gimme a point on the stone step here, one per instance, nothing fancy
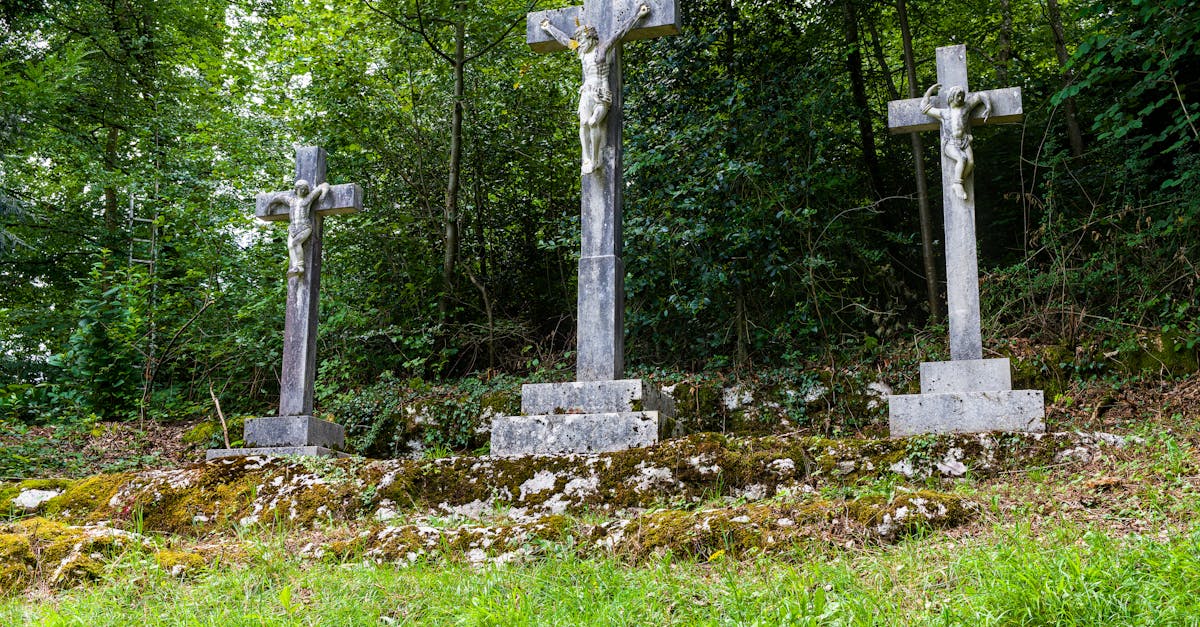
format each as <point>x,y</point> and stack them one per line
<point>558,434</point>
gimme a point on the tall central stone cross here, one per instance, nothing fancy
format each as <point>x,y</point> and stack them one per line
<point>598,411</point>
<point>295,430</point>
<point>962,266</point>
<point>601,300</point>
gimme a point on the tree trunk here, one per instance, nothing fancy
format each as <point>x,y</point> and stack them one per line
<point>854,65</point>
<point>450,214</point>
<point>111,208</point>
<point>918,153</point>
<point>1060,49</point>
<point>1006,33</point>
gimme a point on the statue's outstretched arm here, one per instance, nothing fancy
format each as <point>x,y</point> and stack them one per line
<point>927,101</point>
<point>279,198</point>
<point>986,102</point>
<point>642,11</point>
<point>558,35</point>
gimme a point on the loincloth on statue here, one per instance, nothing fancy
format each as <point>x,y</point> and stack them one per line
<point>601,94</point>
<point>961,143</point>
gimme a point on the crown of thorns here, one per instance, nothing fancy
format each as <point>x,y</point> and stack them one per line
<point>584,31</point>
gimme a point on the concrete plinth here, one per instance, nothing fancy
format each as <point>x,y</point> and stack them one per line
<point>583,417</point>
<point>967,412</point>
<point>966,396</point>
<point>560,434</point>
<point>965,375</point>
<point>274,451</point>
<point>288,435</point>
<point>625,395</point>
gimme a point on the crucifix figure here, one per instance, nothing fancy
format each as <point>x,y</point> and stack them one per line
<point>953,116</point>
<point>600,26</point>
<point>956,133</point>
<point>306,208</point>
<point>595,97</point>
<point>299,204</point>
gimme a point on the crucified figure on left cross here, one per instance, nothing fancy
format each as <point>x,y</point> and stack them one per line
<point>300,226</point>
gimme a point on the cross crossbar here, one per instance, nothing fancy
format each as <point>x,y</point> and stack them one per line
<point>663,20</point>
<point>904,116</point>
<point>341,199</point>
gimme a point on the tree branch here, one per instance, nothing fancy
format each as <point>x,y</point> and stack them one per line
<point>503,35</point>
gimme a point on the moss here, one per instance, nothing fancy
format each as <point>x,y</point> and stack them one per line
<point>11,491</point>
<point>500,403</point>
<point>698,408</point>
<point>907,513</point>
<point>1159,354</point>
<point>1045,370</point>
<point>60,554</point>
<point>179,563</point>
<point>16,561</point>
<point>209,433</point>
<point>84,499</point>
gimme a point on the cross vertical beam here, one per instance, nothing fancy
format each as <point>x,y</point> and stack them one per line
<point>962,265</point>
<point>300,320</point>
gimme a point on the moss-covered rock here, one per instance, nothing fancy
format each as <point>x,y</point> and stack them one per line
<point>37,550</point>
<point>13,492</point>
<point>307,491</point>
<point>179,563</point>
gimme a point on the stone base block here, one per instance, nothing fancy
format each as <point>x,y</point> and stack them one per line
<point>561,434</point>
<point>967,412</point>
<point>965,375</point>
<point>299,431</point>
<point>595,397</point>
<point>274,451</point>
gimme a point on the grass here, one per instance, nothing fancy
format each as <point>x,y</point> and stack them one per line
<point>1065,576</point>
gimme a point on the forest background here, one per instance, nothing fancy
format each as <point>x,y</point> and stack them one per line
<point>771,223</point>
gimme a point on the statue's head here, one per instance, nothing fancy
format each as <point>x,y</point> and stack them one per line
<point>586,36</point>
<point>302,187</point>
<point>956,95</point>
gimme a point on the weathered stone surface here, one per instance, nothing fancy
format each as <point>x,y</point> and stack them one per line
<point>966,375</point>
<point>600,336</point>
<point>583,397</point>
<point>904,116</point>
<point>273,451</point>
<point>305,491</point>
<point>663,20</point>
<point>294,431</point>
<point>966,412</point>
<point>558,434</point>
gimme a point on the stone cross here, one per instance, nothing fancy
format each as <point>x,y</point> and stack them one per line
<point>962,265</point>
<point>300,321</point>
<point>601,300</point>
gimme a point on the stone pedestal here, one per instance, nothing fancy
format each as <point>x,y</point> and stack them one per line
<point>966,396</point>
<point>583,417</point>
<point>288,435</point>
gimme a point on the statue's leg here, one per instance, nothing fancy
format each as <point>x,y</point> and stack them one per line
<point>597,131</point>
<point>960,164</point>
<point>587,164</point>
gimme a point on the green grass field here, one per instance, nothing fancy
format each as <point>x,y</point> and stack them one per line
<point>1063,576</point>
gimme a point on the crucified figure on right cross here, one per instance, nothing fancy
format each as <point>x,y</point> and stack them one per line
<point>956,124</point>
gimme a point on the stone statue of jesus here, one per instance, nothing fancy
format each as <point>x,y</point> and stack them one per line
<point>594,94</point>
<point>956,122</point>
<point>300,225</point>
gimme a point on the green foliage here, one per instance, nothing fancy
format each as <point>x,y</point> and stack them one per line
<point>100,370</point>
<point>756,234</point>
